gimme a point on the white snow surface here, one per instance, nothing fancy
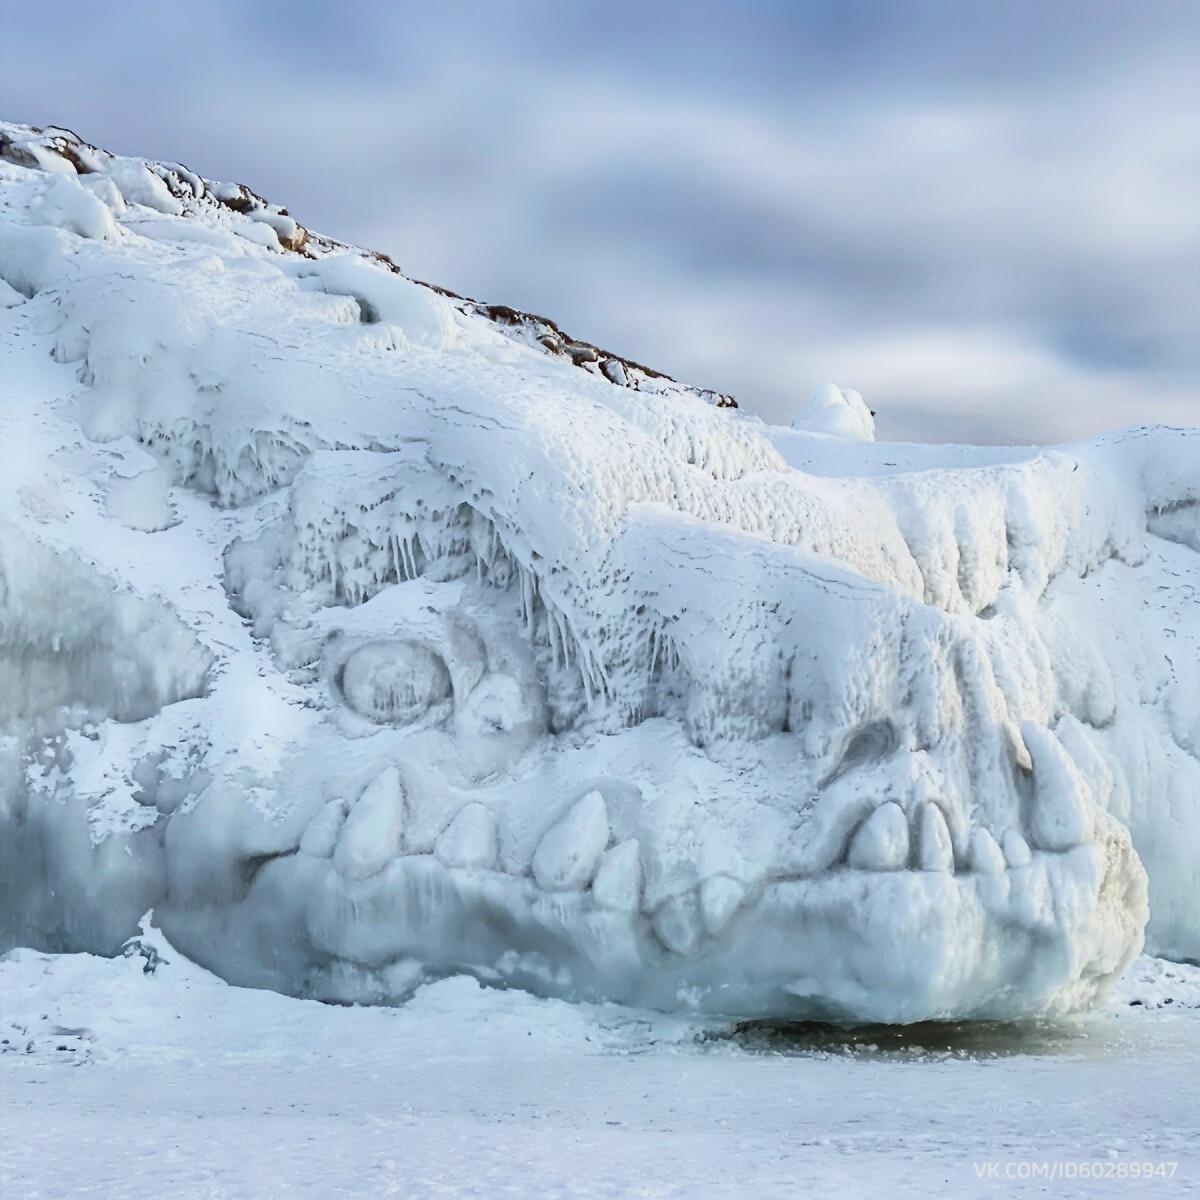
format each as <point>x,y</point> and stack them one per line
<point>125,1084</point>
<point>371,642</point>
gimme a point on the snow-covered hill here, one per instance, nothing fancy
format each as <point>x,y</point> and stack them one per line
<point>371,634</point>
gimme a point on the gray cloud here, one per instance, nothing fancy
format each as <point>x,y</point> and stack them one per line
<point>987,217</point>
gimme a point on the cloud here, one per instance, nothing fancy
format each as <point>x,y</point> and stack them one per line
<point>986,217</point>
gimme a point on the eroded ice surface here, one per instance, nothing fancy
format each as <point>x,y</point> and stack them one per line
<point>371,635</point>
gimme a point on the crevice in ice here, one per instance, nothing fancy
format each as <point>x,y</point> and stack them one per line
<point>867,745</point>
<point>1178,522</point>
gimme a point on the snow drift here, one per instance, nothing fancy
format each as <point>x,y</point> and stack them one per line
<point>372,634</point>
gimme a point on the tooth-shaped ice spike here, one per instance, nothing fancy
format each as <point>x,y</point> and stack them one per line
<point>1060,817</point>
<point>373,832</point>
<point>718,856</point>
<point>470,840</point>
<point>320,837</point>
<point>567,854</point>
<point>720,898</point>
<point>935,851</point>
<point>1097,773</point>
<point>618,882</point>
<point>1020,751</point>
<point>985,855</point>
<point>677,923</point>
<point>1016,849</point>
<point>881,841</point>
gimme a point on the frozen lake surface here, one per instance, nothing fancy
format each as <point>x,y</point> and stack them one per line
<point>118,1083</point>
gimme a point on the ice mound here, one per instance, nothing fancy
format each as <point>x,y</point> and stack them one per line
<point>839,412</point>
<point>374,635</point>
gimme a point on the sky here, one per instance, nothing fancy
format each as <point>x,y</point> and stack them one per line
<point>983,214</point>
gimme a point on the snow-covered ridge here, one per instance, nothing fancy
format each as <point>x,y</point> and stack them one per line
<point>428,651</point>
<point>173,189</point>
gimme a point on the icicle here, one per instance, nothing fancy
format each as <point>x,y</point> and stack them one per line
<point>534,598</point>
<point>527,596</point>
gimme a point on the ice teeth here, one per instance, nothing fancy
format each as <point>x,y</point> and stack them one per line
<point>373,832</point>
<point>881,842</point>
<point>720,898</point>
<point>677,923</point>
<point>618,882</point>
<point>1060,817</point>
<point>1090,763</point>
<point>470,840</point>
<point>822,841</point>
<point>320,837</point>
<point>1016,849</point>
<point>935,852</point>
<point>1020,751</point>
<point>985,855</point>
<point>567,854</point>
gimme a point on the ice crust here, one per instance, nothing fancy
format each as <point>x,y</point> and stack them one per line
<point>371,634</point>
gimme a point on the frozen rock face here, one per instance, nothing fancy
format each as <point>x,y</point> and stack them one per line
<point>369,637</point>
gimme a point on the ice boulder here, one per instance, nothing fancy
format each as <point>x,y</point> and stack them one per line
<point>839,412</point>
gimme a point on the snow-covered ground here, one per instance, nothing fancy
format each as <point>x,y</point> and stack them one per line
<point>117,1083</point>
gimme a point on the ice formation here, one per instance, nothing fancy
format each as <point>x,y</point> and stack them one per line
<point>837,411</point>
<point>370,634</point>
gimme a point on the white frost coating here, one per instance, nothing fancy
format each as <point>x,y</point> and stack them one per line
<point>105,190</point>
<point>285,227</point>
<point>260,234</point>
<point>142,501</point>
<point>394,681</point>
<point>423,319</point>
<point>838,412</point>
<point>985,855</point>
<point>65,203</point>
<point>1016,849</point>
<point>618,881</point>
<point>720,898</point>
<point>881,841</point>
<point>283,528</point>
<point>470,840</point>
<point>566,856</point>
<point>935,849</point>
<point>371,836</point>
<point>139,185</point>
<point>320,836</point>
<point>678,924</point>
<point>1060,810</point>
